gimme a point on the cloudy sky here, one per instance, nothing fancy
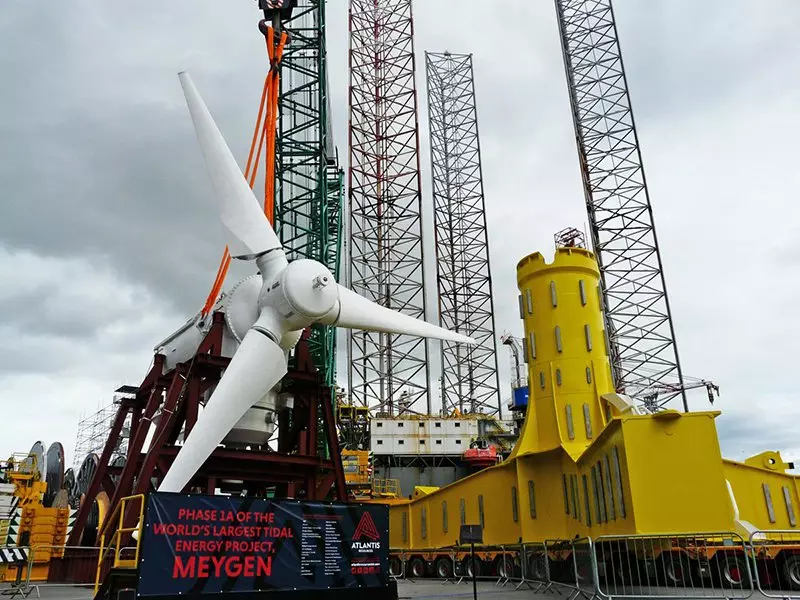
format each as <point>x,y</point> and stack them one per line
<point>108,241</point>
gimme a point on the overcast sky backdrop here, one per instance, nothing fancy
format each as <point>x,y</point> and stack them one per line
<point>108,241</point>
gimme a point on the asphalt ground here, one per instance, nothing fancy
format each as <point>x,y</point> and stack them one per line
<point>407,590</point>
<point>426,589</point>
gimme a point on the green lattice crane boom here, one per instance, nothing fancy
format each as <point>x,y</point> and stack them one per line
<point>308,203</point>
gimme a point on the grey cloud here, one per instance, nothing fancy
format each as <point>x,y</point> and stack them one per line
<point>690,55</point>
<point>99,158</point>
<point>743,437</point>
<point>115,191</point>
<point>31,313</point>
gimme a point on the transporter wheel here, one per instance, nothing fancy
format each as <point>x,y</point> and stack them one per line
<point>675,570</point>
<point>395,566</point>
<point>733,572</point>
<point>563,571</point>
<point>467,567</point>
<point>583,571</point>
<point>416,568</point>
<point>770,573</point>
<point>444,567</point>
<point>505,566</point>
<point>623,569</point>
<point>537,568</point>
<point>791,572</point>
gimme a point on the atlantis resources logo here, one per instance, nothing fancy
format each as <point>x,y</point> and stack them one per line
<point>366,529</point>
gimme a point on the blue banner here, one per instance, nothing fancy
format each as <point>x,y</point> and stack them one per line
<point>195,544</point>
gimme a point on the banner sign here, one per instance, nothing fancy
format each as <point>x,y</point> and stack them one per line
<point>195,544</point>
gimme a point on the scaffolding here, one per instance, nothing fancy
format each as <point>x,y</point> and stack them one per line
<point>386,262</point>
<point>94,428</point>
<point>469,372</point>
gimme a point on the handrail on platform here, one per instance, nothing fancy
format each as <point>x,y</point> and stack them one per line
<point>115,542</point>
<point>386,487</point>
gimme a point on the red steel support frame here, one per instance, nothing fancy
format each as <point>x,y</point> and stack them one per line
<point>297,469</point>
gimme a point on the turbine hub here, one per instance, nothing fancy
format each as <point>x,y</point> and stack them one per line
<point>301,294</point>
<point>321,281</point>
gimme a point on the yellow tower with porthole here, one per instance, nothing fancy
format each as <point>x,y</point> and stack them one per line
<point>565,350</point>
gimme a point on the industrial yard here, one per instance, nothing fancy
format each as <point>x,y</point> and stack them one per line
<point>360,402</point>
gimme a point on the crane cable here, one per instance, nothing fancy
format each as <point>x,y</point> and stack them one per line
<point>268,129</point>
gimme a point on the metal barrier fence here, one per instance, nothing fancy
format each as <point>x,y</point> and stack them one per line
<point>416,565</point>
<point>703,565</point>
<point>568,565</point>
<point>69,566</point>
<point>54,566</point>
<point>534,571</point>
<point>49,565</point>
<point>709,565</point>
<point>397,565</point>
<point>500,564</point>
<point>699,565</point>
<point>519,566</point>
<point>16,587</point>
<point>584,567</point>
<point>776,562</point>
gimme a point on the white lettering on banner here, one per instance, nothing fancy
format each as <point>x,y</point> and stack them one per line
<point>365,546</point>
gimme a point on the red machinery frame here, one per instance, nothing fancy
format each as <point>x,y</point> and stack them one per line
<point>297,469</point>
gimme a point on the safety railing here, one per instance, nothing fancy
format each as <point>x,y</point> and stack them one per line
<point>703,565</point>
<point>21,465</point>
<point>117,536</point>
<point>385,487</point>
<point>776,562</point>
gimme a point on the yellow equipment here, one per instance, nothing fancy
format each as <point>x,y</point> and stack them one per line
<point>587,463</point>
<point>356,468</point>
<point>361,483</point>
<point>41,529</point>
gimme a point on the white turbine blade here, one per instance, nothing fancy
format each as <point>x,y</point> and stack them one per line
<point>356,312</point>
<point>259,364</point>
<point>249,232</point>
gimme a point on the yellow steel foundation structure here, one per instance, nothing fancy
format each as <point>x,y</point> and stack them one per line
<point>586,463</point>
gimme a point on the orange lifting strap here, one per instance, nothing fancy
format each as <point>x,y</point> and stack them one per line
<point>268,129</point>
